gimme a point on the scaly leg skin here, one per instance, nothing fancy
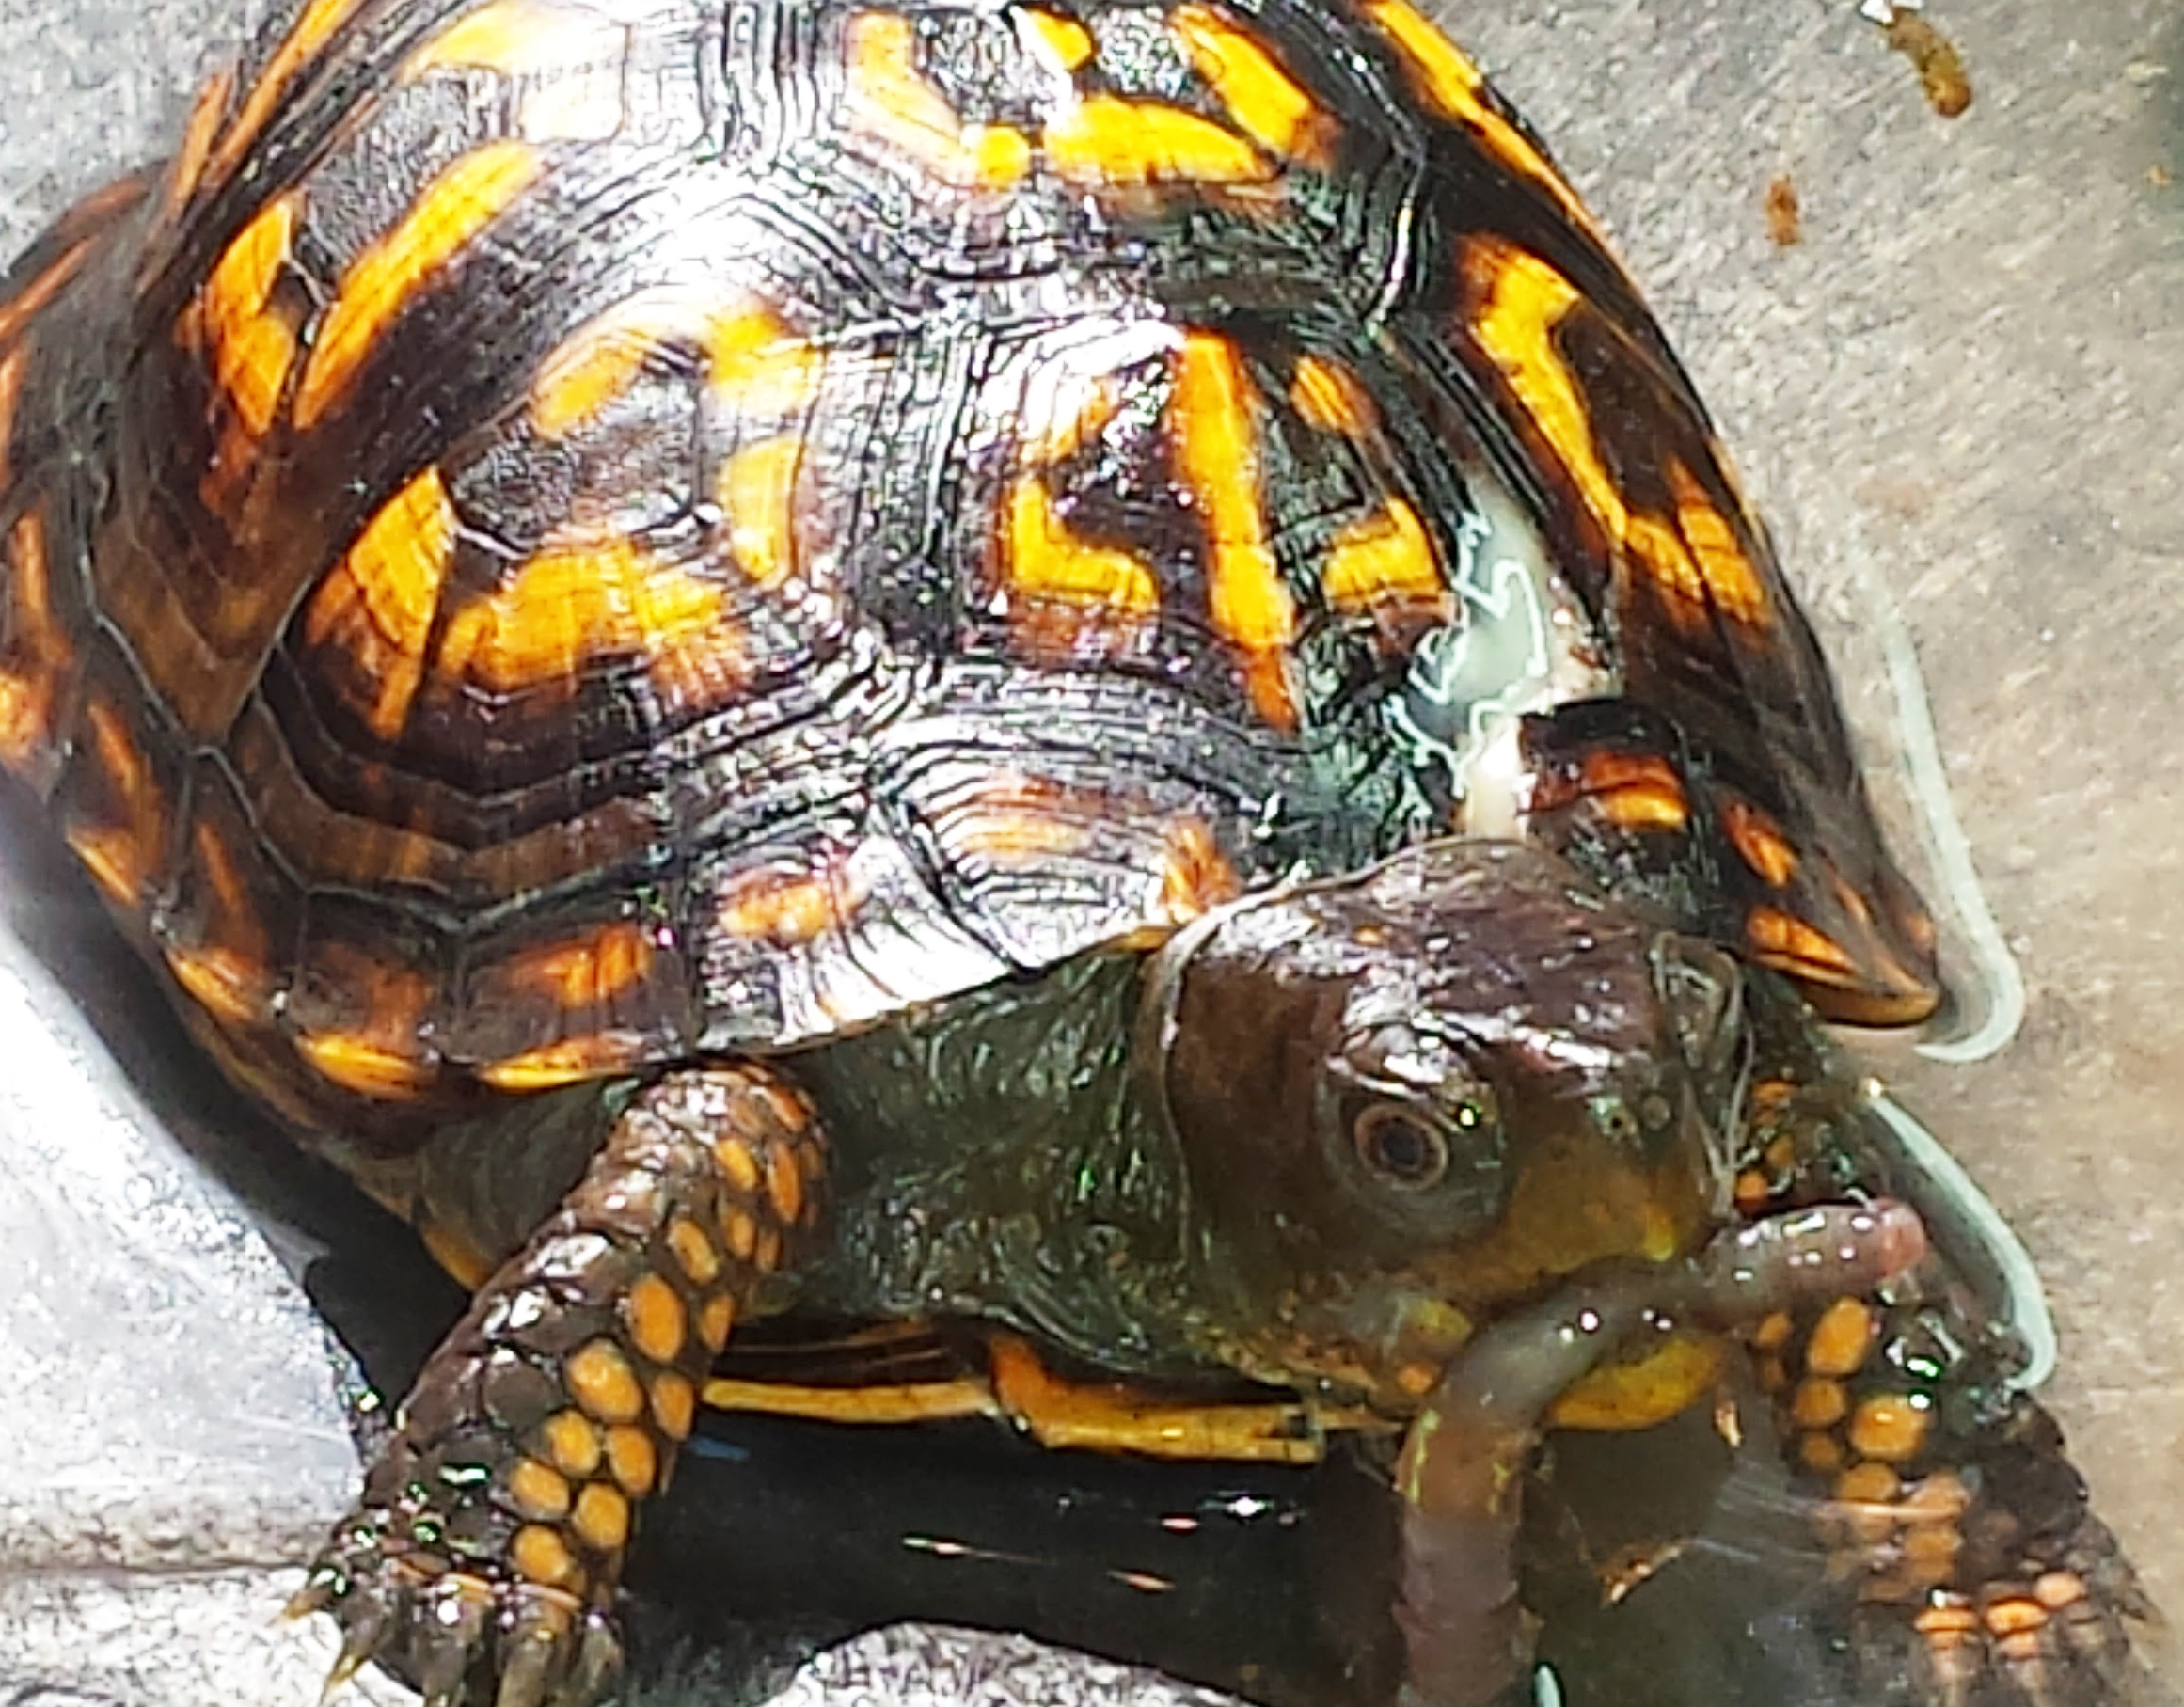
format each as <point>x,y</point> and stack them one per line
<point>1974,1571</point>
<point>481,1561</point>
<point>1463,1469</point>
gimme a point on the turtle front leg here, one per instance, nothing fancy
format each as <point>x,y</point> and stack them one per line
<point>1971,1568</point>
<point>482,1560</point>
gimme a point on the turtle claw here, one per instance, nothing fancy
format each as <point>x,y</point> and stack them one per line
<point>461,1636</point>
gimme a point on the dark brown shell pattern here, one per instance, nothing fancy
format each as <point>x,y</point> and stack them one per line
<point>555,538</point>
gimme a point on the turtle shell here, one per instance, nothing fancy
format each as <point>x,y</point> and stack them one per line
<point>557,538</point>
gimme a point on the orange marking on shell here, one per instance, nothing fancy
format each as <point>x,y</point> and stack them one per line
<point>1868,1484</point>
<point>1773,1332</point>
<point>228,985</point>
<point>1789,945</point>
<point>693,1251</point>
<point>1065,43</point>
<point>377,602</point>
<point>250,350</point>
<point>1385,560</point>
<point>18,309</point>
<point>741,1231</point>
<point>1842,1338</point>
<point>446,215</point>
<point>784,1184</point>
<point>1329,398</point>
<point>365,1065</point>
<point>553,1065</point>
<point>540,1555</point>
<point>1820,1452</point>
<point>758,493</point>
<point>1106,142</point>
<point>1213,414</point>
<point>717,1320</point>
<point>313,28</point>
<point>1759,841</point>
<point>1448,81</point>
<point>186,171</point>
<point>756,364</point>
<point>739,1168</point>
<point>2056,1589</point>
<point>1108,591</point>
<point>790,908</point>
<point>890,102</point>
<point>10,388</point>
<point>2018,1615</point>
<point>587,972</point>
<point>121,857</point>
<point>458,1253</point>
<point>576,600</point>
<point>225,972</point>
<point>1733,586</point>
<point>1196,877</point>
<point>753,362</point>
<point>1267,103</point>
<point>1634,790</point>
<point>566,63</point>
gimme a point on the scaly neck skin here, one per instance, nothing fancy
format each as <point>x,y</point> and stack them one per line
<point>998,1158</point>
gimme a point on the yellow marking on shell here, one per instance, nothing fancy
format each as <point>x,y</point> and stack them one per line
<point>572,1441</point>
<point>1329,398</point>
<point>538,1492</point>
<point>1889,1427</point>
<point>1217,459</point>
<point>632,1460</point>
<point>252,351</point>
<point>567,61</point>
<point>588,972</point>
<point>753,362</point>
<point>1731,584</point>
<point>653,1312</point>
<point>1842,1338</point>
<point>599,1379</point>
<point>890,102</point>
<point>186,172</point>
<point>717,1320</point>
<point>1640,1393</point>
<point>1015,820</point>
<point>1445,78</point>
<point>227,977</point>
<point>674,1405</point>
<point>313,28</point>
<point>446,215</point>
<point>554,1064</point>
<point>1065,43</point>
<point>388,1059</point>
<point>758,493</point>
<point>740,1231</point>
<point>1076,412</point>
<point>121,858</point>
<point>458,1254</point>
<point>766,1257</point>
<point>693,1252</point>
<point>1760,839</point>
<point>601,1518</point>
<point>542,1557</point>
<point>1788,944</point>
<point>1106,142</point>
<point>1196,876</point>
<point>1267,103</point>
<point>1042,560</point>
<point>758,364</point>
<point>789,909</point>
<point>377,602</point>
<point>580,600</point>
<point>1385,559</point>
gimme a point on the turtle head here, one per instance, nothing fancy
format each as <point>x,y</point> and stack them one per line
<point>1409,1099</point>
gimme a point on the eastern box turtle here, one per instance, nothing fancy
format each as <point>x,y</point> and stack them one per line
<point>1081,669</point>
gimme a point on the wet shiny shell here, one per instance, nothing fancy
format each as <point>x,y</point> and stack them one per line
<point>553,538</point>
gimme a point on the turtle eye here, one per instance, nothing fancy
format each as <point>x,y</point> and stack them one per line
<point>1400,1147</point>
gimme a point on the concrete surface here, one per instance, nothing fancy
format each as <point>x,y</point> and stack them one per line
<point>1960,389</point>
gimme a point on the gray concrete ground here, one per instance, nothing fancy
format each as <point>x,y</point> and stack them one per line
<point>1959,392</point>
